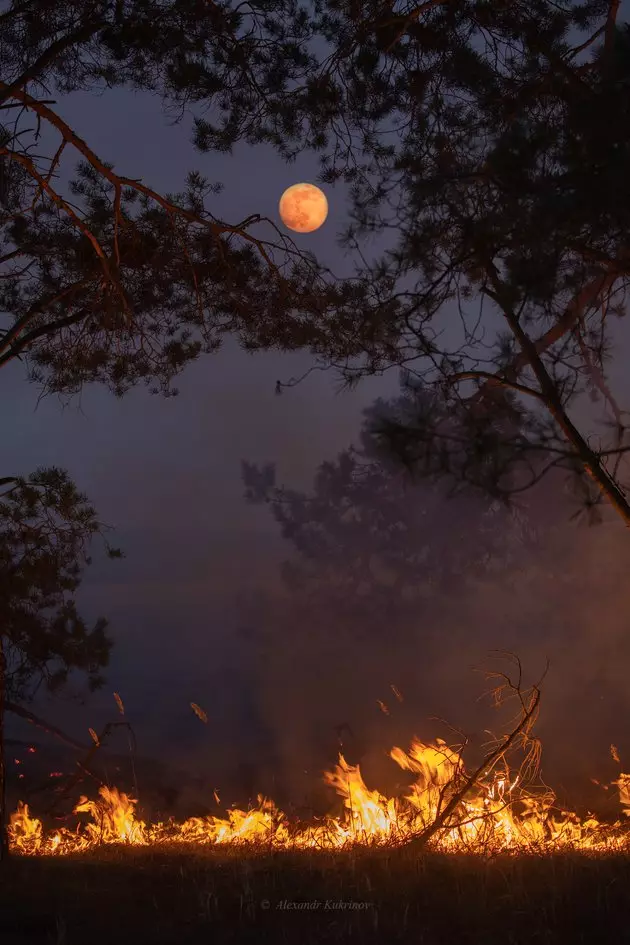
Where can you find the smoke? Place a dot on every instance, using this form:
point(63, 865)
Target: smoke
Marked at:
point(564, 601)
point(290, 677)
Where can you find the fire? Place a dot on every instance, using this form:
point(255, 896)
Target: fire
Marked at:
point(24, 831)
point(113, 817)
point(493, 814)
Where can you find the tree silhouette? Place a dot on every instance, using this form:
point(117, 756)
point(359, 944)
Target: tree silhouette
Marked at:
point(369, 536)
point(483, 138)
point(45, 529)
point(106, 279)
point(489, 139)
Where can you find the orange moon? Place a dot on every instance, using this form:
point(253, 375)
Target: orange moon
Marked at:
point(303, 208)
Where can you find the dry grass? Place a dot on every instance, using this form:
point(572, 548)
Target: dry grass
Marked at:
point(190, 896)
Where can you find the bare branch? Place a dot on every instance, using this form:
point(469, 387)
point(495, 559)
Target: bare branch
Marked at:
point(490, 377)
point(586, 297)
point(590, 460)
point(522, 730)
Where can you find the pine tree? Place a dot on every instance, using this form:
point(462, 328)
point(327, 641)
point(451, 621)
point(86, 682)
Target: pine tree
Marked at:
point(46, 526)
point(368, 540)
point(489, 138)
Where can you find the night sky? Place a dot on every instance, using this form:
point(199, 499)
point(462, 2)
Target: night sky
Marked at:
point(165, 474)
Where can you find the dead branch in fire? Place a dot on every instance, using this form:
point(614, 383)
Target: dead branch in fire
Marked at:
point(83, 766)
point(520, 736)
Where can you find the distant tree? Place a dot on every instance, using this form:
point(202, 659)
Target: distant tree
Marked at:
point(369, 540)
point(46, 527)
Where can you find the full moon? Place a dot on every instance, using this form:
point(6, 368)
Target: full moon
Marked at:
point(303, 208)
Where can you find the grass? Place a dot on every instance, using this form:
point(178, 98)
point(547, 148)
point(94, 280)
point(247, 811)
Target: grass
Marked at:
point(183, 896)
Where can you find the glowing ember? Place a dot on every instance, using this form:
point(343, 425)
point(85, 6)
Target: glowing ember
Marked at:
point(494, 814)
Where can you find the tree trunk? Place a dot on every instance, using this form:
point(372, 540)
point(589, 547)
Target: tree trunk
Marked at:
point(4, 845)
point(591, 462)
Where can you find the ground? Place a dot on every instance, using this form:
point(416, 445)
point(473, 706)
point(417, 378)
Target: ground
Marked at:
point(181, 896)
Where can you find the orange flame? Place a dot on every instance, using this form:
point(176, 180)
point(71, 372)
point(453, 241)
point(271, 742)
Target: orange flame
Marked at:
point(495, 814)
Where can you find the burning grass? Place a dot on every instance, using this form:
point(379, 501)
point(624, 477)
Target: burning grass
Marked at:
point(446, 808)
point(464, 857)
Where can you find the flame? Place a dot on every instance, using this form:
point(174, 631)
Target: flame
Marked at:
point(25, 832)
point(114, 817)
point(623, 784)
point(494, 814)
